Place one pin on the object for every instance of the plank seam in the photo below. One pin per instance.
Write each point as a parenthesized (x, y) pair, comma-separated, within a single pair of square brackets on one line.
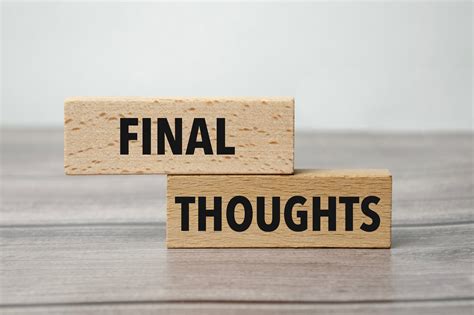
[(256, 302), (163, 224)]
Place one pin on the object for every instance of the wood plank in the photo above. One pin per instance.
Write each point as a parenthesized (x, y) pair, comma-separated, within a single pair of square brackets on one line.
[(423, 199), (83, 199), (408, 152), (458, 307), (92, 264), (40, 152), (432, 179), (218, 135), (118, 268), (222, 211)]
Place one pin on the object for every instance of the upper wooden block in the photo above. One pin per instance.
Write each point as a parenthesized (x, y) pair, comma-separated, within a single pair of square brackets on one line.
[(208, 135), (312, 208)]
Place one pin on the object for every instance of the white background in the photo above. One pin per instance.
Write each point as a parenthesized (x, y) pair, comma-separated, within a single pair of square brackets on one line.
[(373, 66)]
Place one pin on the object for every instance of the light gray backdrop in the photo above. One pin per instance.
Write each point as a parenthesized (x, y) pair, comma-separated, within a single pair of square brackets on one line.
[(363, 66)]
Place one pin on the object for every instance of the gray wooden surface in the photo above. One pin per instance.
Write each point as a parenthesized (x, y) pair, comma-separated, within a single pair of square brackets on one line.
[(96, 244)]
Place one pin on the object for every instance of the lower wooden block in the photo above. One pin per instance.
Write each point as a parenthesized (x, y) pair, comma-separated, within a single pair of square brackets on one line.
[(312, 208)]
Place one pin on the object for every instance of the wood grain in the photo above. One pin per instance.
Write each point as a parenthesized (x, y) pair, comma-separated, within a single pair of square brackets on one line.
[(434, 172), (96, 244), (260, 129), (458, 307), (322, 184), (130, 263), (40, 152), (418, 199)]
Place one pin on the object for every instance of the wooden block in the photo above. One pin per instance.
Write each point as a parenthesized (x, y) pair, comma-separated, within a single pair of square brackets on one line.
[(197, 135), (312, 208)]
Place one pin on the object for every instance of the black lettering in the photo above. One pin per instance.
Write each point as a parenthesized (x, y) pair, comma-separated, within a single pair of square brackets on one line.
[(349, 202), (203, 212), (303, 215), (370, 213), (221, 148), (146, 139), (175, 141), (184, 201), (125, 135), (318, 213), (231, 213), (275, 214), (199, 126)]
